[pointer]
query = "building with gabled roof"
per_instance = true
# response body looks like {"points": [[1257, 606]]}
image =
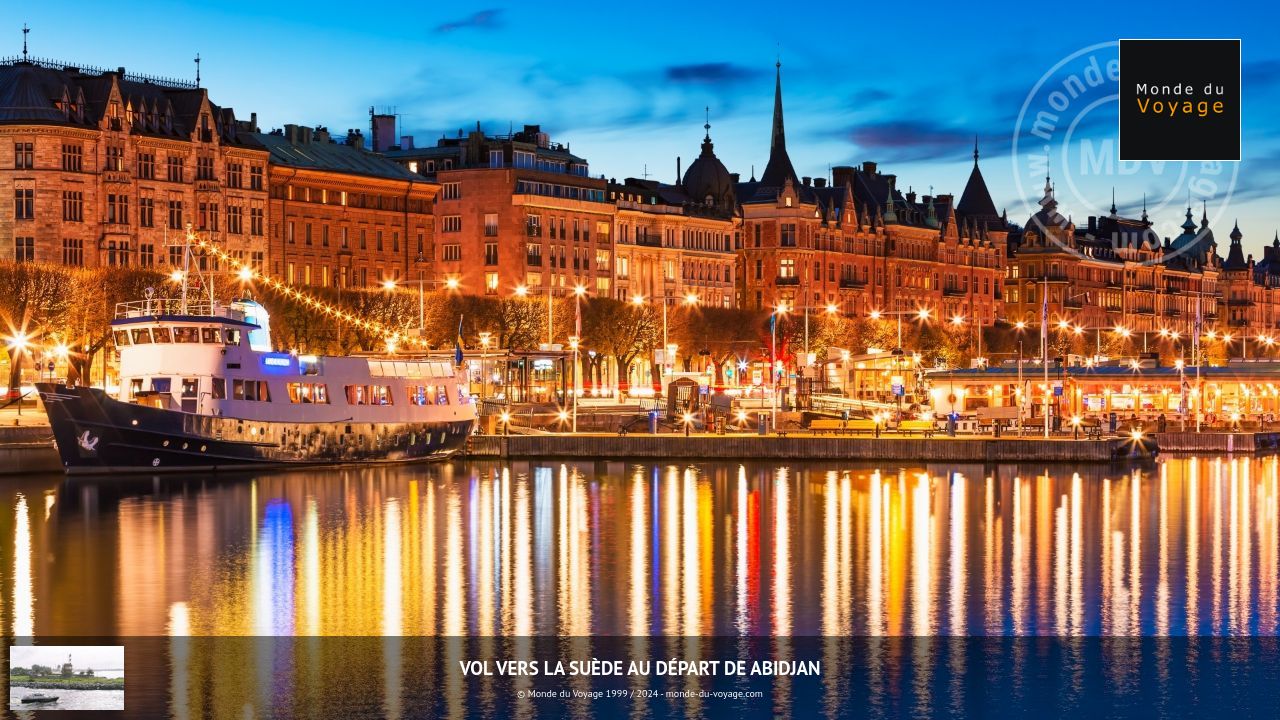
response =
{"points": [[108, 167]]}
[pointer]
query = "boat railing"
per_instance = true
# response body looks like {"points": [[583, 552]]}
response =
{"points": [[174, 306]]}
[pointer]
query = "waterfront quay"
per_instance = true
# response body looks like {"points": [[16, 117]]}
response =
{"points": [[806, 447]]}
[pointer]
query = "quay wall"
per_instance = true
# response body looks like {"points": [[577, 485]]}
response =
{"points": [[958, 450], [28, 450], [1219, 442]]}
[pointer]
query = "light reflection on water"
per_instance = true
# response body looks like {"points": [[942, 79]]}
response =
{"points": [[1188, 546], [664, 555]]}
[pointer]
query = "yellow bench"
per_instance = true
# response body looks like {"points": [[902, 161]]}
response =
{"points": [[820, 426], [925, 427]]}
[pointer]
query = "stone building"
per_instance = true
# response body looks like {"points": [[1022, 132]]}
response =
{"points": [[860, 245], [678, 243], [108, 167], [343, 216], [516, 213]]}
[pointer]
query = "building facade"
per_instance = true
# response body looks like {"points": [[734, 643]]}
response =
{"points": [[342, 216], [109, 168], [517, 213]]}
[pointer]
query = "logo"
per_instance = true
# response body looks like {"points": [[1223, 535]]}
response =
{"points": [[1180, 100], [87, 442], [1067, 164]]}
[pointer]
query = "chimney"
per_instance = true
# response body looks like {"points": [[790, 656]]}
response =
{"points": [[1093, 225], [291, 133], [120, 71], [384, 132], [868, 167], [321, 134], [911, 195], [355, 138], [819, 182], [735, 177], [806, 180], [841, 175], [253, 121], [406, 142]]}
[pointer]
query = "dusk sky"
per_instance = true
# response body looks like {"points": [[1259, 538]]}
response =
{"points": [[625, 85]]}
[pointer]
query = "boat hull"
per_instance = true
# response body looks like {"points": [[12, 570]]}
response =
{"points": [[99, 434]]}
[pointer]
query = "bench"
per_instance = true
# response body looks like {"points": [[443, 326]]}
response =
{"points": [[842, 426], [820, 426], [924, 427]]}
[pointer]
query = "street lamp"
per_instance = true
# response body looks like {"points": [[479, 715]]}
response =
{"points": [[921, 314], [773, 360], [485, 337], [573, 343]]}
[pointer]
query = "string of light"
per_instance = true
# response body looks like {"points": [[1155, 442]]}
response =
{"points": [[247, 273]]}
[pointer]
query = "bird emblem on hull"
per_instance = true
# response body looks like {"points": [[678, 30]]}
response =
{"points": [[88, 442]]}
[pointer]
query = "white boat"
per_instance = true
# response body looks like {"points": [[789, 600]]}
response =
{"points": [[201, 388]]}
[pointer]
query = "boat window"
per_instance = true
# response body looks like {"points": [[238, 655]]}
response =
{"points": [[141, 336], [308, 365], [162, 335], [190, 387], [231, 336], [210, 335], [308, 393], [368, 395], [253, 390], [135, 387], [219, 389], [418, 394], [122, 338], [186, 334], [442, 395], [463, 398], [161, 384]]}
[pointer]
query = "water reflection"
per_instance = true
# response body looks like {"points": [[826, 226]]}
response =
{"points": [[1188, 546]]}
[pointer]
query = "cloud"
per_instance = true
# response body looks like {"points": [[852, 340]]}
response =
{"points": [[1262, 72], [869, 96], [907, 140], [710, 73], [490, 19]]}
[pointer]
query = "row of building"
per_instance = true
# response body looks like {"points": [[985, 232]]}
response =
{"points": [[108, 167]]}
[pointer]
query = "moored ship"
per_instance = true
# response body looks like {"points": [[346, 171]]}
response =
{"points": [[201, 388]]}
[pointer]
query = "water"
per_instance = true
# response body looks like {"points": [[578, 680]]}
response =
{"points": [[69, 699], [842, 564]]}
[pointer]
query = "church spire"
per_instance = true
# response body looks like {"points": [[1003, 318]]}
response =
{"points": [[975, 201], [779, 168]]}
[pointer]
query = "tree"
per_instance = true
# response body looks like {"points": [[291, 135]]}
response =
{"points": [[721, 334], [623, 331], [34, 299], [96, 292]]}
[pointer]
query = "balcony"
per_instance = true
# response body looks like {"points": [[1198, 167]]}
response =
{"points": [[116, 176], [534, 261], [1239, 302], [533, 230], [208, 186], [851, 283], [788, 280], [1144, 311], [649, 241], [1172, 312], [953, 292]]}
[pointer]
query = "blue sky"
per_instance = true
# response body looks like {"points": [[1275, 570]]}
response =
{"points": [[625, 85]]}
